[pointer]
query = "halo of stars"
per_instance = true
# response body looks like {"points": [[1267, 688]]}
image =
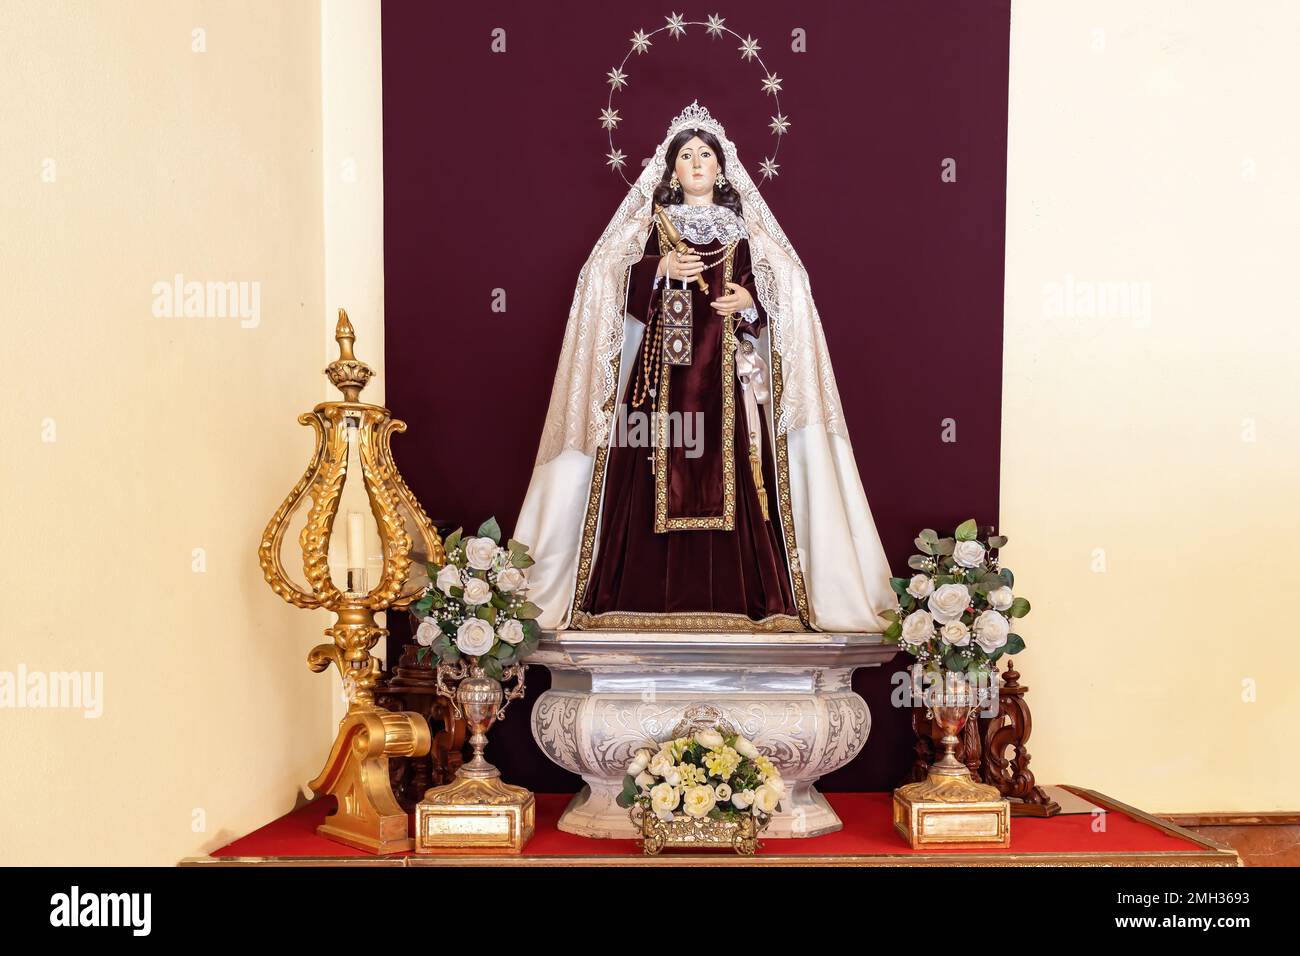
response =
{"points": [[675, 27]]}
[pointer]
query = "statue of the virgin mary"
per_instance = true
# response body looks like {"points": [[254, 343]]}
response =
{"points": [[742, 508]]}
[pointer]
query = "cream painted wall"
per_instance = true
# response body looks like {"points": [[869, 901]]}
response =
{"points": [[134, 440], [1151, 454]]}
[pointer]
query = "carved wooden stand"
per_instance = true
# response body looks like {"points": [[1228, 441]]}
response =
{"points": [[983, 749], [412, 686]]}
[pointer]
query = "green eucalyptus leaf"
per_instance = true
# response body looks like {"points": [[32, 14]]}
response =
{"points": [[527, 611], [1019, 607], [1015, 644], [998, 541], [922, 545], [490, 529], [967, 530], [944, 546], [917, 562], [451, 541]]}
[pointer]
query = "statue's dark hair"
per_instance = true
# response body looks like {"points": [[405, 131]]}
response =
{"points": [[726, 195]]}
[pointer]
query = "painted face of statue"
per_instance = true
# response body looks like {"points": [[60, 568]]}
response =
{"points": [[696, 168]]}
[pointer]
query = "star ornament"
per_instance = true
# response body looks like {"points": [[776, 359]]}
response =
{"points": [[614, 160], [640, 42], [715, 26], [617, 78], [609, 119], [769, 168], [779, 123], [772, 84], [749, 48], [676, 25]]}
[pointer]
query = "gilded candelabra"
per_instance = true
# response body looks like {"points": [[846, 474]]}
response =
{"points": [[377, 561]]}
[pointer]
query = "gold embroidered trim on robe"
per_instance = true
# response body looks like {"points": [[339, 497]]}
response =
{"points": [[727, 520], [706, 621]]}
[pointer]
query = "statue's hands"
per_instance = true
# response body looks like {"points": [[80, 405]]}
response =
{"points": [[684, 266], [737, 299]]}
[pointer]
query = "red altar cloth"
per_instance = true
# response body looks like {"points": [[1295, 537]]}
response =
{"points": [[868, 831]]}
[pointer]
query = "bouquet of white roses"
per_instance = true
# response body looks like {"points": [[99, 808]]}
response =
{"points": [[477, 603], [722, 777], [955, 614]]}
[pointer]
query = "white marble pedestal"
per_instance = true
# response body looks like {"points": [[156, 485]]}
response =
{"points": [[613, 692]]}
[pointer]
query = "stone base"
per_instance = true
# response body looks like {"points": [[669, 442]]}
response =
{"points": [[613, 692]]}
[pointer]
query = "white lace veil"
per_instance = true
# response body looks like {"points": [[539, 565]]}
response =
{"points": [[585, 379]]}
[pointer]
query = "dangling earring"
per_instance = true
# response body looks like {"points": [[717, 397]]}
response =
{"points": [[673, 184], [721, 181]]}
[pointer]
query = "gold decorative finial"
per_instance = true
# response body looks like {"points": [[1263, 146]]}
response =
{"points": [[348, 373]]}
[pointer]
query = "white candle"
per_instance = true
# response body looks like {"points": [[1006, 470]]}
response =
{"points": [[356, 541]]}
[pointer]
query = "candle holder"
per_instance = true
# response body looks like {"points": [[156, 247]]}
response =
{"points": [[353, 484]]}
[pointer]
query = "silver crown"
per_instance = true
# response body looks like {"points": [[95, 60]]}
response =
{"points": [[696, 116]]}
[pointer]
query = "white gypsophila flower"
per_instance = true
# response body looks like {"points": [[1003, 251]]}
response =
{"points": [[969, 554], [921, 586], [948, 602], [479, 552]]}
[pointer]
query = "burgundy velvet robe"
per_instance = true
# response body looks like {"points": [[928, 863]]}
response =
{"points": [[637, 569]]}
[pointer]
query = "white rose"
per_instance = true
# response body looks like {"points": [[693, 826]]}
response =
{"points": [[955, 633], [948, 602], [511, 631], [1001, 598], [991, 630], [640, 760], [448, 578], [969, 554], [745, 747], [661, 764], [698, 801], [645, 781], [477, 591], [766, 798], [663, 798], [479, 553], [723, 792], [709, 739], [511, 579], [918, 627], [427, 632], [921, 586], [741, 799], [475, 637]]}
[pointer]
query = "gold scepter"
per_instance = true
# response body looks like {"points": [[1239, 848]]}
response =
{"points": [[675, 240]]}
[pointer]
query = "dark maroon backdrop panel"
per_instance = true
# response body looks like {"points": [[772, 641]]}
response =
{"points": [[494, 179]]}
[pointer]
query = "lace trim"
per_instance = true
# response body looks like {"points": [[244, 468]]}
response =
{"points": [[700, 225]]}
